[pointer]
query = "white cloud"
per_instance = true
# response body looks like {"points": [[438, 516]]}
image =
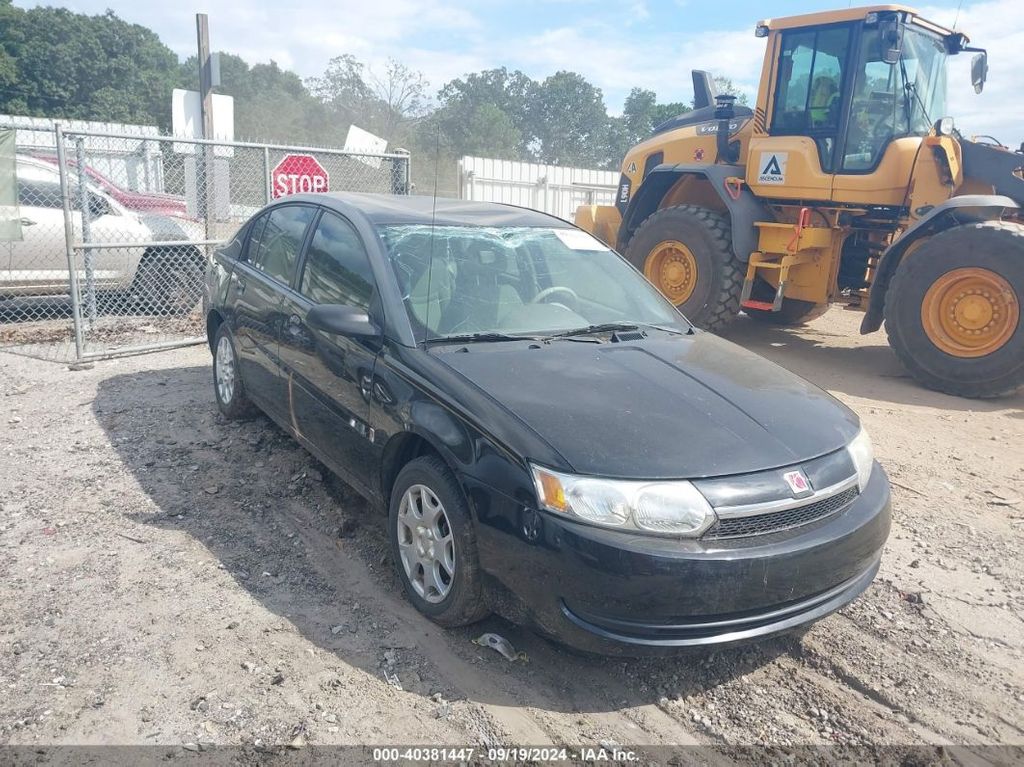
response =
{"points": [[616, 46], [995, 26]]}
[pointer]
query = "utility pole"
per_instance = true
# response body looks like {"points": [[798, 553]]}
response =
{"points": [[205, 74], [205, 167]]}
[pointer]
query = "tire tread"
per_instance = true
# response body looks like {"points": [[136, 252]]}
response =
{"points": [[732, 271]]}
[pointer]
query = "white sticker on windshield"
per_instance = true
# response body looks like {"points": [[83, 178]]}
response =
{"points": [[578, 240]]}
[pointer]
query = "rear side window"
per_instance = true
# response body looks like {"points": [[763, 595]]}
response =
{"points": [[34, 193], [275, 244], [337, 269]]}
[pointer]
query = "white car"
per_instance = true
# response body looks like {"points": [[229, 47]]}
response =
{"points": [[142, 275]]}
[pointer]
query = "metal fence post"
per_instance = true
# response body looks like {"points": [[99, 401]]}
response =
{"points": [[150, 298], [69, 240], [267, 192], [400, 172], [87, 256]]}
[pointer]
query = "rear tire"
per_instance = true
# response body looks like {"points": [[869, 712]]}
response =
{"points": [[228, 387], [952, 311], [423, 487], [702, 277]]}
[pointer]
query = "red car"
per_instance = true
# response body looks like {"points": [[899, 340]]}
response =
{"points": [[142, 202]]}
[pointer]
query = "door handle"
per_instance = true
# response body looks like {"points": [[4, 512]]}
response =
{"points": [[239, 285], [27, 222]]}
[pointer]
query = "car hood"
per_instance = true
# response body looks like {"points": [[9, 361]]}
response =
{"points": [[677, 407]]}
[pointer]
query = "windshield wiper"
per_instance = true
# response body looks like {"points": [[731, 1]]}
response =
{"points": [[605, 327], [464, 338], [612, 327], [911, 88]]}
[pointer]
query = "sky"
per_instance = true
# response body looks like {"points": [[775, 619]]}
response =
{"points": [[616, 45]]}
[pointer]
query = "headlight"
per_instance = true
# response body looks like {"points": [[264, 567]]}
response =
{"points": [[863, 456], [666, 508]]}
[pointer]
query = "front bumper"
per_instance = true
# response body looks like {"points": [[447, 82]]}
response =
{"points": [[622, 593]]}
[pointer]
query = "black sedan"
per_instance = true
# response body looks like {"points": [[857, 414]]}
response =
{"points": [[546, 434]]}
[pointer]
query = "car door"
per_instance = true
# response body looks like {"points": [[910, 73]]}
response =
{"points": [[39, 261], [797, 157], [328, 376], [256, 291]]}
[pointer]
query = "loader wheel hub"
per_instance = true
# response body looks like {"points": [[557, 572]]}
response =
{"points": [[970, 312], [672, 268]]}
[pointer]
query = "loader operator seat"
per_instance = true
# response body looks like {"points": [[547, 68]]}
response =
{"points": [[824, 102]]}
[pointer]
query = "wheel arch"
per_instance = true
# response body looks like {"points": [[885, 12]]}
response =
{"points": [[743, 210], [214, 319], [955, 211], [185, 249], [402, 448]]}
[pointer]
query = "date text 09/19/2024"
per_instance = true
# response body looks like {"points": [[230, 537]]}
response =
{"points": [[504, 754]]}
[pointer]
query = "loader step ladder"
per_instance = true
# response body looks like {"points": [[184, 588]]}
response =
{"points": [[783, 246]]}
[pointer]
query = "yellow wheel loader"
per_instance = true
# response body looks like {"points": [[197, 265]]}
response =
{"points": [[846, 183]]}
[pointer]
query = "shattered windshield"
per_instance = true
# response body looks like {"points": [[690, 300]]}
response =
{"points": [[458, 280], [894, 100]]}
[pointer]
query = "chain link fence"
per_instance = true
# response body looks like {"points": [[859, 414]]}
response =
{"points": [[116, 231]]}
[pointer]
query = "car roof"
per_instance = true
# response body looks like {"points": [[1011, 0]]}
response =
{"points": [[423, 209]]}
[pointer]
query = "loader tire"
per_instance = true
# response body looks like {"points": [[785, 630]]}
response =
{"points": [[793, 312], [686, 252], [952, 311]]}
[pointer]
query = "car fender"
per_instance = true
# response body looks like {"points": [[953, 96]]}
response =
{"points": [[956, 211], [743, 207]]}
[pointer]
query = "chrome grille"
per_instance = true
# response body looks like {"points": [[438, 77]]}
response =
{"points": [[773, 522]]}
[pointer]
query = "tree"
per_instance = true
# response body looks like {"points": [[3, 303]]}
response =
{"points": [[271, 104], [387, 104], [486, 113], [568, 121], [401, 96], [641, 114], [724, 86], [342, 88], [56, 63]]}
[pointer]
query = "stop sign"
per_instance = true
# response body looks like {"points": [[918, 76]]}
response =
{"points": [[298, 173]]}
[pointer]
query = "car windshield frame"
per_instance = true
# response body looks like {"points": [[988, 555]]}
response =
{"points": [[478, 282]]}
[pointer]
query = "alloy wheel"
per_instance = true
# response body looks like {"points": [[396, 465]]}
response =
{"points": [[225, 370], [426, 544]]}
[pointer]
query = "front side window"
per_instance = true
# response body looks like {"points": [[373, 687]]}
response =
{"points": [[894, 100], [337, 269], [808, 98], [515, 280], [275, 249]]}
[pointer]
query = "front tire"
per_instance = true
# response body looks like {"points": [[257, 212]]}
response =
{"points": [[686, 252], [170, 280], [952, 311], [434, 544], [228, 388]]}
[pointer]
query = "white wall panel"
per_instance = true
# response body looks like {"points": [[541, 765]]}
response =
{"points": [[553, 189]]}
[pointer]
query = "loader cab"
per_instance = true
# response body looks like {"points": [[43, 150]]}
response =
{"points": [[846, 98]]}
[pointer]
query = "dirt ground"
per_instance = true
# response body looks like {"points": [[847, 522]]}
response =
{"points": [[167, 577]]}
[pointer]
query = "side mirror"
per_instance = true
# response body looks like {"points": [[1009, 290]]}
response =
{"points": [[890, 36], [979, 71], [98, 206], [343, 320]]}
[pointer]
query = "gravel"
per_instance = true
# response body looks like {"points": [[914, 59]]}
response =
{"points": [[169, 577]]}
